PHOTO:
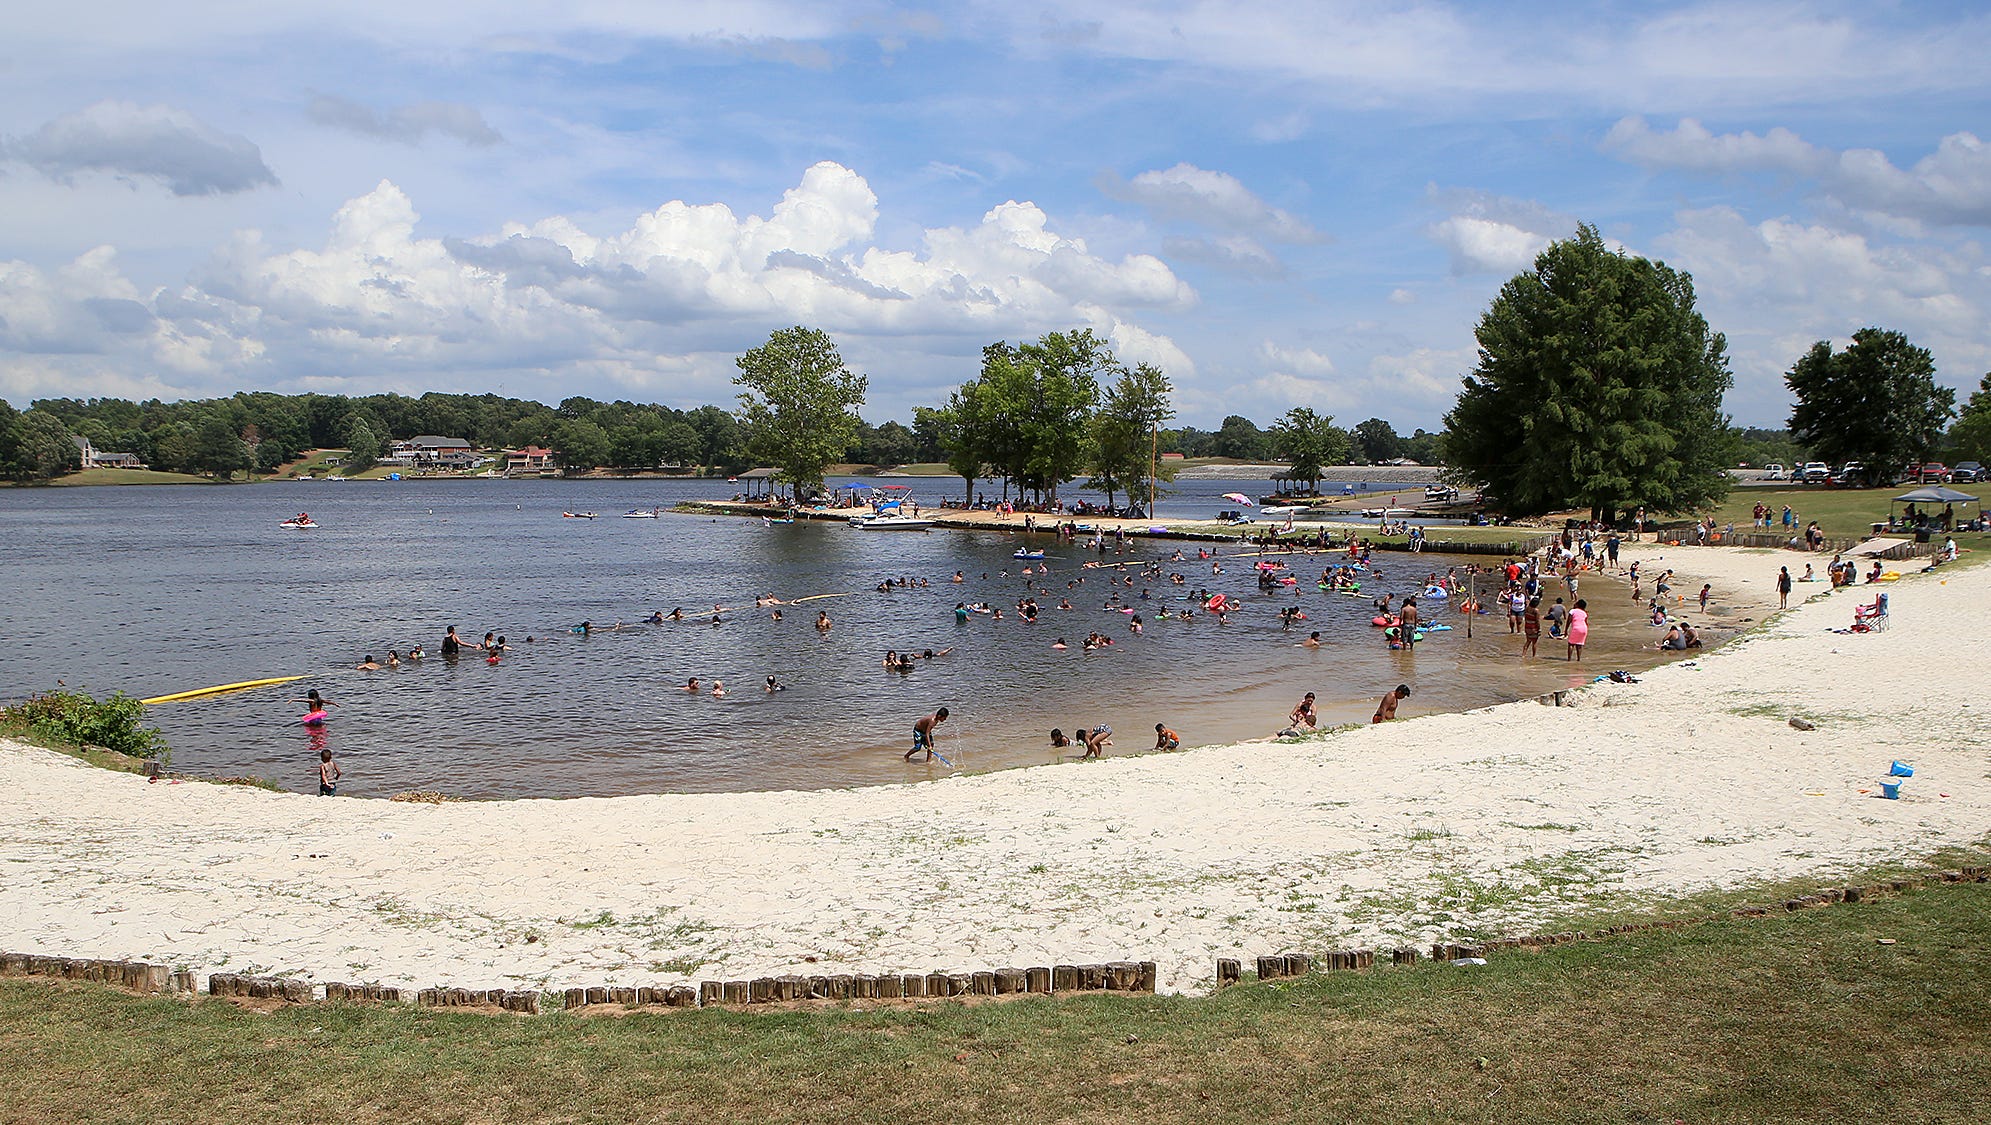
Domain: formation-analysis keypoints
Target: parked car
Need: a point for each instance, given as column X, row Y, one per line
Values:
column 1934, row 471
column 1853, row 475
column 1815, row 472
column 1967, row 472
column 1776, row 472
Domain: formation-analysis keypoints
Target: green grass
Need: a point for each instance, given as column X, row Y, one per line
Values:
column 1793, row 1017
column 1840, row 512
column 129, row 476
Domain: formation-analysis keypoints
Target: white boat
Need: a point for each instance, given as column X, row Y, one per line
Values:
column 577, row 515
column 1280, row 509
column 1387, row 513
column 772, row 522
column 299, row 525
column 890, row 521
column 640, row 514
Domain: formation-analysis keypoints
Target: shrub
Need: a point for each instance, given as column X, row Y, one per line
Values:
column 75, row 717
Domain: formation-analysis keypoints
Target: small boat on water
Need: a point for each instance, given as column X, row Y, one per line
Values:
column 1026, row 553
column 640, row 514
column 299, row 525
column 577, row 515
column 890, row 521
column 772, row 522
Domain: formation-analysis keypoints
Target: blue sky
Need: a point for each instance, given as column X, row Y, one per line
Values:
column 1278, row 204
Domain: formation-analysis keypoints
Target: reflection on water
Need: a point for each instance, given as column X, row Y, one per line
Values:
column 155, row 590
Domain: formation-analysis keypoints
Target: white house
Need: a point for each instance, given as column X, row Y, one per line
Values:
column 94, row 459
column 428, row 449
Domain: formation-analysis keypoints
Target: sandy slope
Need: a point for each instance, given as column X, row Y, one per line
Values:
column 1423, row 828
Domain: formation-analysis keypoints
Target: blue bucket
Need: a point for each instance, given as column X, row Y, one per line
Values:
column 1891, row 790
column 1901, row 769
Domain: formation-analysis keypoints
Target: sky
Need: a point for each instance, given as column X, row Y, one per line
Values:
column 1277, row 204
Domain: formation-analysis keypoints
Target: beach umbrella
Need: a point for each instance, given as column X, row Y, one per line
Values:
column 1238, row 498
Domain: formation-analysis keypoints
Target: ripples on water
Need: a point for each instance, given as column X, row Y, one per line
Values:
column 155, row 590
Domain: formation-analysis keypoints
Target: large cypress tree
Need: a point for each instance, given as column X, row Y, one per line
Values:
column 1598, row 386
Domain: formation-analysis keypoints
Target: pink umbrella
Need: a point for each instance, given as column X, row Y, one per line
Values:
column 1239, row 498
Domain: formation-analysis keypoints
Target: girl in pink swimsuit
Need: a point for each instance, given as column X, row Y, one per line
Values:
column 1579, row 629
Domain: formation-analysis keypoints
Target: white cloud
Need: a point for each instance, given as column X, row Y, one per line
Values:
column 1234, row 253
column 1298, row 361
column 408, row 124
column 1403, row 297
column 157, row 142
column 659, row 305
column 1949, row 186
column 1777, row 285
column 1486, row 233
column 1188, row 194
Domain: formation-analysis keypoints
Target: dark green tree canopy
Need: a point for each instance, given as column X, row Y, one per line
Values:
column 1970, row 438
column 1309, row 441
column 1598, row 386
column 799, row 406
column 1125, row 435
column 1877, row 402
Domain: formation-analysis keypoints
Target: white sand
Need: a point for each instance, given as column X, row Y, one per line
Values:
column 1494, row 820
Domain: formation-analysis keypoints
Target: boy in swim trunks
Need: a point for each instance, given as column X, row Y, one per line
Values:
column 1166, row 739
column 1386, row 707
column 923, row 733
column 328, row 775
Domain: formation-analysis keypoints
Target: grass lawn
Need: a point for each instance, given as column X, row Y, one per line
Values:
column 129, row 476
column 1794, row 1017
column 1847, row 512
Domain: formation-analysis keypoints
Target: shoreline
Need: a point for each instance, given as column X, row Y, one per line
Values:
column 1484, row 819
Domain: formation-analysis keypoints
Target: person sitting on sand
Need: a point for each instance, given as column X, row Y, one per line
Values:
column 1166, row 739
column 1674, row 639
column 1303, row 713
column 367, row 664
column 1386, row 707
column 1693, row 639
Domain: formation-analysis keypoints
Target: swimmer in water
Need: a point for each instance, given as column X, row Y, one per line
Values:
column 1059, row 644
column 415, row 654
column 718, row 687
column 368, row 665
column 772, row 685
column 823, row 620
column 691, row 685
column 1312, row 641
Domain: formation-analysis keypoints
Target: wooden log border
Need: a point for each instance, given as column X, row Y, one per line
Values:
column 147, row 979
column 1286, row 966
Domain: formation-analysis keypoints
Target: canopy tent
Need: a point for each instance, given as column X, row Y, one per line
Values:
column 1937, row 512
column 1935, row 494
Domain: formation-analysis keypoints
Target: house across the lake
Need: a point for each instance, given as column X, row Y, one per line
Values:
column 94, row 459
column 429, row 449
column 531, row 459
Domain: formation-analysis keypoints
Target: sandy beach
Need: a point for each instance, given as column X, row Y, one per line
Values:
column 1489, row 820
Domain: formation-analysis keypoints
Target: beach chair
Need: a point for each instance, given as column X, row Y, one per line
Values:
column 1871, row 618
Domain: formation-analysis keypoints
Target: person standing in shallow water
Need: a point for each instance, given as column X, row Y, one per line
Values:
column 923, row 733
column 1579, row 629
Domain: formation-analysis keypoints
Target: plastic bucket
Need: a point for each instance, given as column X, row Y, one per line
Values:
column 1901, row 769
column 1891, row 790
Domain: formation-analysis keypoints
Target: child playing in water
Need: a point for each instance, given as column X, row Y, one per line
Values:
column 328, row 775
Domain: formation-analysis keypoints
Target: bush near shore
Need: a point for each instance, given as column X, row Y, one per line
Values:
column 76, row 721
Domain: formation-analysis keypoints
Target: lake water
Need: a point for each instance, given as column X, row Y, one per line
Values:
column 161, row 589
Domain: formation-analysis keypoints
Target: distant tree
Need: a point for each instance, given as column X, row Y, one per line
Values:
column 11, row 467
column 1877, row 402
column 722, row 445
column 926, row 434
column 1598, row 386
column 1308, row 442
column 963, row 441
column 1424, row 448
column 799, row 406
column 363, row 445
column 1192, row 442
column 891, row 444
column 1035, row 404
column 1377, row 441
column 1124, row 434
column 43, row 446
column 218, row 449
column 1970, row 438
column 1240, row 439
column 679, row 444
column 580, row 445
